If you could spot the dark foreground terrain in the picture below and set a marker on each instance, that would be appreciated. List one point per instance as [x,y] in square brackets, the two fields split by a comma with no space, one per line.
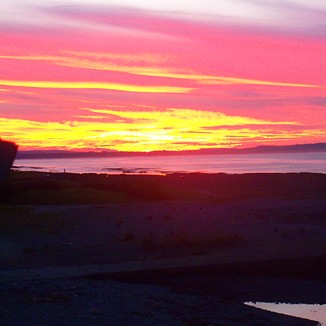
[182,249]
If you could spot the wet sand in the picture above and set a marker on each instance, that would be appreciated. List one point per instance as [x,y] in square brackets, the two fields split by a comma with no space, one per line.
[160,250]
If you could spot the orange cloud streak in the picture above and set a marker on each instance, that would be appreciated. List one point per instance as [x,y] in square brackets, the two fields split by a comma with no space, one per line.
[95,85]
[121,63]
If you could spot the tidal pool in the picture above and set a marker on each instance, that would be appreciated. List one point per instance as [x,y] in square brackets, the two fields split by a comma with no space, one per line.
[315,312]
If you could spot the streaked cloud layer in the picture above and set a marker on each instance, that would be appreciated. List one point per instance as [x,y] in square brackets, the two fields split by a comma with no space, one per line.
[297,14]
[145,75]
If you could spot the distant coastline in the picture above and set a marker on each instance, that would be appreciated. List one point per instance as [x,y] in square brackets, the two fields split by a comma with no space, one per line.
[48,154]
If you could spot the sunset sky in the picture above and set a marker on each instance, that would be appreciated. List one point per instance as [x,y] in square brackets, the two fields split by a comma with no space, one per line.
[140,75]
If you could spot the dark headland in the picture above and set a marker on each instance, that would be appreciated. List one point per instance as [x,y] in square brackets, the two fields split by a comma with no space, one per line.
[8,152]
[181,249]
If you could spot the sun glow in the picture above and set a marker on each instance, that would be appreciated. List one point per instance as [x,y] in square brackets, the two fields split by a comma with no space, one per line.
[172,129]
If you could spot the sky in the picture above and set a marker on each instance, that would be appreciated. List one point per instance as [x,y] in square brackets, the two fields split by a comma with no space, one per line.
[140,75]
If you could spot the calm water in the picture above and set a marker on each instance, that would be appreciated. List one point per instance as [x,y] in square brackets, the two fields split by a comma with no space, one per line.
[314,312]
[308,162]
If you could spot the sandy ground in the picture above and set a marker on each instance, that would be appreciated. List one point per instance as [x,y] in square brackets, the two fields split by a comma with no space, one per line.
[174,262]
[88,234]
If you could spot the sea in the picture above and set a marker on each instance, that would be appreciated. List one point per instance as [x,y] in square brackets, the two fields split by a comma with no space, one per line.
[162,165]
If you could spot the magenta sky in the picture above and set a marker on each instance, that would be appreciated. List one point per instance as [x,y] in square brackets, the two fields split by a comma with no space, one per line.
[141,75]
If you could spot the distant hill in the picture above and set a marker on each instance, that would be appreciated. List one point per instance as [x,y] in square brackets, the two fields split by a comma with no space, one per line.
[303,148]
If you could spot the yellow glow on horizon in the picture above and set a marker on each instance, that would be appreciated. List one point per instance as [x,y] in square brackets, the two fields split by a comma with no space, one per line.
[173,129]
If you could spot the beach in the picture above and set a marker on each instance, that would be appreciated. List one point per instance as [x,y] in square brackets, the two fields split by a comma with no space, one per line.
[180,249]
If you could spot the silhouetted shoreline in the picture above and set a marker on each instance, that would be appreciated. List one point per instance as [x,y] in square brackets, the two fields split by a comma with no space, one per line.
[300,148]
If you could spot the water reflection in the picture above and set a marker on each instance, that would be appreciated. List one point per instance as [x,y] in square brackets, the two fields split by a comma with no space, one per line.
[268,163]
[314,312]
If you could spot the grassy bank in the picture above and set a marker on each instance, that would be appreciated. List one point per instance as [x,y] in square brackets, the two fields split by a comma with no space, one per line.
[55,188]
